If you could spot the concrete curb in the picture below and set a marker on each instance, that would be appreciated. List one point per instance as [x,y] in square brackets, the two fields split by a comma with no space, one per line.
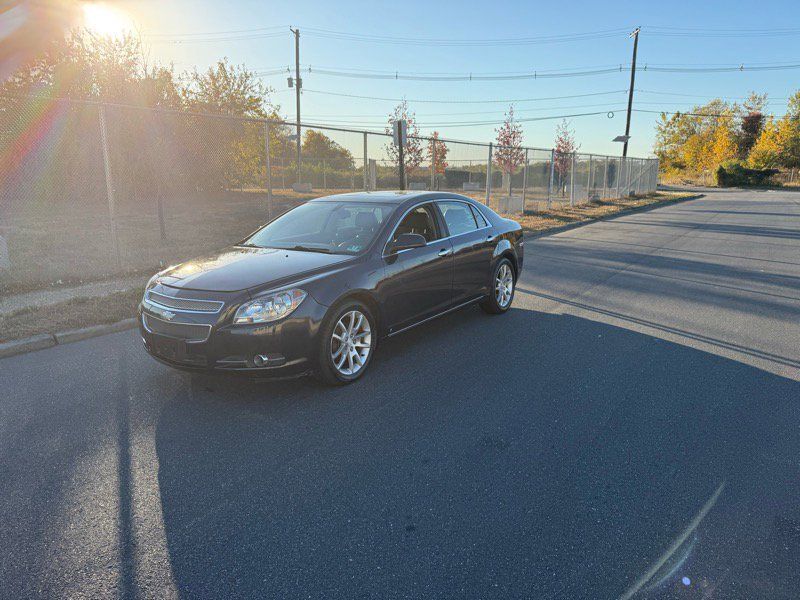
[48,340]
[77,335]
[622,213]
[37,342]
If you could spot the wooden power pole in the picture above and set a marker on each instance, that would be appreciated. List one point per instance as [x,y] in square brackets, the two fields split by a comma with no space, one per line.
[635,36]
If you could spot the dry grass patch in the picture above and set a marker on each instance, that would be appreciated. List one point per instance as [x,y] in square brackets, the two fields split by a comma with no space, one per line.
[72,314]
[534,222]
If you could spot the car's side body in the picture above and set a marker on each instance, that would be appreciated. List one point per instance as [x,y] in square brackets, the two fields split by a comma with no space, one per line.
[402,288]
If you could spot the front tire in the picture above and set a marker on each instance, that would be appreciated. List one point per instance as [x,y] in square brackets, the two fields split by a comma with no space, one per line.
[501,294]
[348,339]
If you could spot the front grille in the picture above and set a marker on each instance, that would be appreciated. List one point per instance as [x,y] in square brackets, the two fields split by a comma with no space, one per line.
[182,331]
[205,306]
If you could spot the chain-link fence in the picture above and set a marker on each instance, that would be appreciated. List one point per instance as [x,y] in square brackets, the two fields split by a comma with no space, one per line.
[92,190]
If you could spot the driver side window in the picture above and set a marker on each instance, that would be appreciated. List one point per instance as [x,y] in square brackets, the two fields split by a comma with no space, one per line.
[421,221]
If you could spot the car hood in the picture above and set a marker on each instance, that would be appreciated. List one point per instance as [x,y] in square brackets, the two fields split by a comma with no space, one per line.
[238,268]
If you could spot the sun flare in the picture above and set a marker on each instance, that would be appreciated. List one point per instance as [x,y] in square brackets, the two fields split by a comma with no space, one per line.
[103,19]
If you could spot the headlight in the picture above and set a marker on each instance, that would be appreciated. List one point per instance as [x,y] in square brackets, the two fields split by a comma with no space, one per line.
[270,307]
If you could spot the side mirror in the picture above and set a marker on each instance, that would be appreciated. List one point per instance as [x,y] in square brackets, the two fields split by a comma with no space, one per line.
[406,241]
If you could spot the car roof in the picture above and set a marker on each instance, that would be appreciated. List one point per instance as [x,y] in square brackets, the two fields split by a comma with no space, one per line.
[390,197]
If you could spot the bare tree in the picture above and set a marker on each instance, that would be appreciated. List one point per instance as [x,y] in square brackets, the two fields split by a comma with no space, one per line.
[565,147]
[509,154]
[413,151]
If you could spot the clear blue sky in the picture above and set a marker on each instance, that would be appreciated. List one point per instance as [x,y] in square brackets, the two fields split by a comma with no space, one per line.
[464,20]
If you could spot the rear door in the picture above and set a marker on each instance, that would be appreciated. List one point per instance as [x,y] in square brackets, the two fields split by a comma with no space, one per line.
[418,282]
[471,237]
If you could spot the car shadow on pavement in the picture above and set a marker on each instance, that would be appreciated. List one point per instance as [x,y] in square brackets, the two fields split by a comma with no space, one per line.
[528,455]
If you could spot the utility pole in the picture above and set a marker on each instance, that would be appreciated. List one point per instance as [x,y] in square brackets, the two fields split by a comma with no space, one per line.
[635,36]
[297,85]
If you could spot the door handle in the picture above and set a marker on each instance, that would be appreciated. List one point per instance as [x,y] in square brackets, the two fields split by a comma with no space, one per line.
[444,252]
[489,238]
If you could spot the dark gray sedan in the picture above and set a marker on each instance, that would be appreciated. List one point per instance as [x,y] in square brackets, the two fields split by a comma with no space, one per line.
[317,287]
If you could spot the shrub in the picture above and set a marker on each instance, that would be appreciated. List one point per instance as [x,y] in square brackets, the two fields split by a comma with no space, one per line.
[734,173]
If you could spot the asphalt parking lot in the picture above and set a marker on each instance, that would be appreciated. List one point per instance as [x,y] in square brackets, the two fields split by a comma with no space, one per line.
[630,428]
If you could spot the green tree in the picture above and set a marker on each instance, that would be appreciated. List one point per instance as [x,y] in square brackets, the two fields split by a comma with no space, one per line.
[225,152]
[227,89]
[319,147]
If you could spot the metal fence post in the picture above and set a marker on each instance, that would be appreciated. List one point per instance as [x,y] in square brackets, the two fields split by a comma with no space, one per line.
[620,166]
[525,180]
[589,181]
[365,161]
[433,163]
[605,179]
[109,184]
[552,175]
[489,175]
[268,170]
[572,180]
[657,167]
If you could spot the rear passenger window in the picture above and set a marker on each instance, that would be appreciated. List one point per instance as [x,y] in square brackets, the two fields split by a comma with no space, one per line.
[458,216]
[479,217]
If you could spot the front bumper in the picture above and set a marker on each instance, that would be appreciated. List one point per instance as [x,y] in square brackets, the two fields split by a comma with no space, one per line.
[289,345]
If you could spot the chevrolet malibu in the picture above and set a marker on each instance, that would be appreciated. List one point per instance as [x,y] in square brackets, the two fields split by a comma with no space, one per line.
[315,289]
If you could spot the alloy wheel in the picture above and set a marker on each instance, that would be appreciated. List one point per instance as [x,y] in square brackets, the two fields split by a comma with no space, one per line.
[504,285]
[351,342]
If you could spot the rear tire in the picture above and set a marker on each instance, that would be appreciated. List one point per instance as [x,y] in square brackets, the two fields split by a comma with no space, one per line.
[503,286]
[347,341]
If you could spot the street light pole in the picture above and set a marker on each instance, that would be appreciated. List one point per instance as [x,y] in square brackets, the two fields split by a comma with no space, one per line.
[635,36]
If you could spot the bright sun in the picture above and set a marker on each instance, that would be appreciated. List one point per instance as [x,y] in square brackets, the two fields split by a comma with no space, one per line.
[103,19]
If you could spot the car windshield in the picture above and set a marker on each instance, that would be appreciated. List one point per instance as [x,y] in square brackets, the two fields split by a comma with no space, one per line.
[328,227]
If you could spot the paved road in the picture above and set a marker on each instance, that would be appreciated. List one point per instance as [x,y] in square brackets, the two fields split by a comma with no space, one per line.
[632,426]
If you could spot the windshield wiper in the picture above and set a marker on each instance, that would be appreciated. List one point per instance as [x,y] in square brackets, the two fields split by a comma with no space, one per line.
[310,249]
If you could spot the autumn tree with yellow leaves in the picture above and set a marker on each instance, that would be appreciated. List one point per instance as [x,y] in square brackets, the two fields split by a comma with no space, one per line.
[689,144]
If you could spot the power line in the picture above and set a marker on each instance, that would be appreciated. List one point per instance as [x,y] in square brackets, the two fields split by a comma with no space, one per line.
[730,115]
[492,101]
[257,30]
[532,74]
[666,31]
[482,112]
[264,32]
[708,96]
[609,114]
[508,76]
[384,39]
[236,38]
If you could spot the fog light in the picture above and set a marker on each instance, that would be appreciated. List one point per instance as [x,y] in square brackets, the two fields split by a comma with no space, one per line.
[268,360]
